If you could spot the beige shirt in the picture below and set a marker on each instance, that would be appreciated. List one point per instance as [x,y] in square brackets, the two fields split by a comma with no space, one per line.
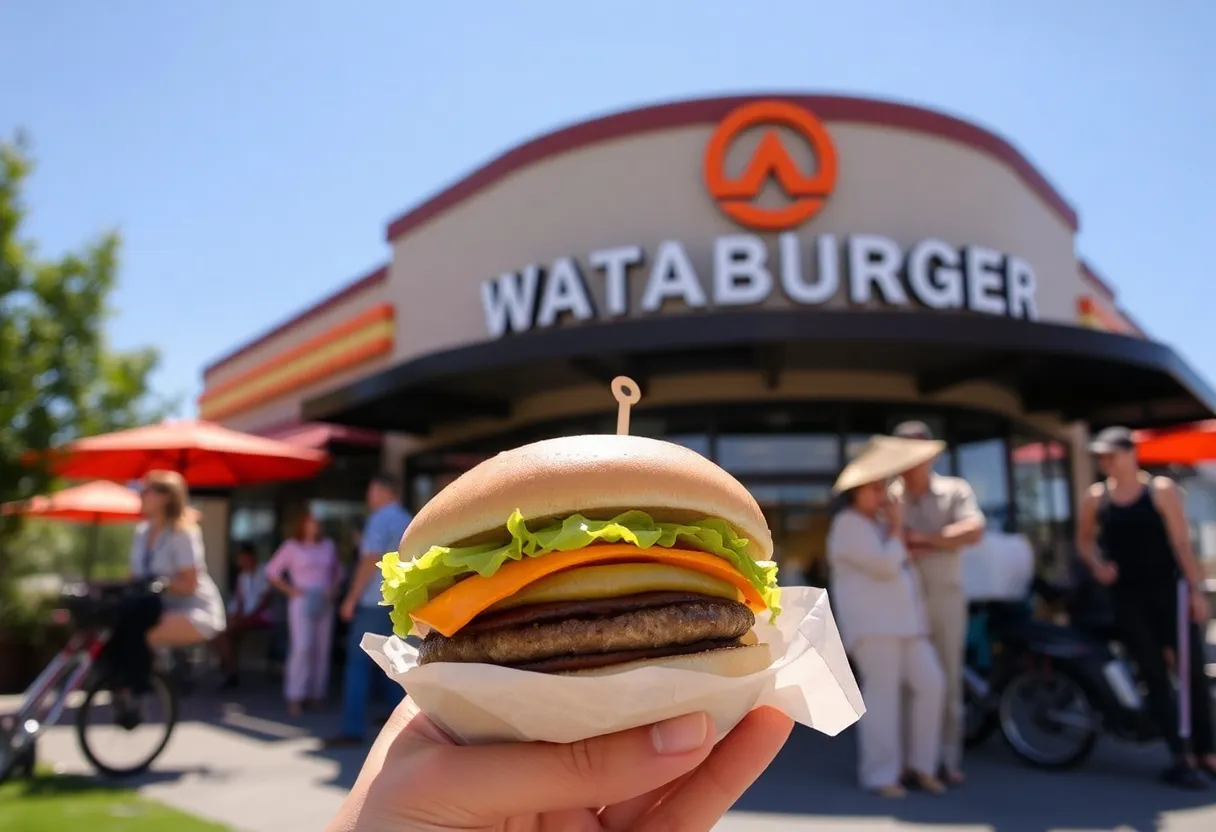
[947,501]
[874,589]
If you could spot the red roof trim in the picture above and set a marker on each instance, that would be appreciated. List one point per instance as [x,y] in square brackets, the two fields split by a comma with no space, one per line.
[710,110]
[345,293]
[318,434]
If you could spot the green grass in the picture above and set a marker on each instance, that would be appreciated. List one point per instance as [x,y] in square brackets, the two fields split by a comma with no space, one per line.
[51,803]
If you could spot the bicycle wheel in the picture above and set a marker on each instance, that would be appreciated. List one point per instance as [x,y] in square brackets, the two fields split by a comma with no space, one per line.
[107,719]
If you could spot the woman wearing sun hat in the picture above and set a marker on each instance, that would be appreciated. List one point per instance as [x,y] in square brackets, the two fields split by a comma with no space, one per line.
[881,614]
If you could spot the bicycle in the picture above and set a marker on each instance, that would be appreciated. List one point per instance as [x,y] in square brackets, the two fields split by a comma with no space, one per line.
[92,611]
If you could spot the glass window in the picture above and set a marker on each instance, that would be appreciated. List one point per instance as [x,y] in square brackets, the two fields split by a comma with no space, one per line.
[342,522]
[778,453]
[254,523]
[853,443]
[1043,500]
[982,464]
[698,442]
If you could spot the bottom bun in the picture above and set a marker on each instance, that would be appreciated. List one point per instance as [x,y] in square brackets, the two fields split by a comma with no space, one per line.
[725,661]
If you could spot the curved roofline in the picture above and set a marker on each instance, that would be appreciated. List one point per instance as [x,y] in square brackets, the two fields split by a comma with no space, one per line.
[832,108]
[1052,365]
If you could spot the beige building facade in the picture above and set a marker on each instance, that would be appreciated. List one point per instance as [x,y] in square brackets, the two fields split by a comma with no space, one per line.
[784,275]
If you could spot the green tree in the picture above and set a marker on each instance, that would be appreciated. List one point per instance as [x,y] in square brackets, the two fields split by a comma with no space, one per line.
[58,378]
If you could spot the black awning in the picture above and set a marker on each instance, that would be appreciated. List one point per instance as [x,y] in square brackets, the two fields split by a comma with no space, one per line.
[1079,373]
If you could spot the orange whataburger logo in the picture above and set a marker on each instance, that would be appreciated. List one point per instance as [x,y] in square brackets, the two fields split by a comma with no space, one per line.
[804,193]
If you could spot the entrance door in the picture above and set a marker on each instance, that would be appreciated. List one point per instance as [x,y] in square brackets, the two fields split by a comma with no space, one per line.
[798,515]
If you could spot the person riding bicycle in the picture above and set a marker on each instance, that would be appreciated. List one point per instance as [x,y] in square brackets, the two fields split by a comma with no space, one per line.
[168,547]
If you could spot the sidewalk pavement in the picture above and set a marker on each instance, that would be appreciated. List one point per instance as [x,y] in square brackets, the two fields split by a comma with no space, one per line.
[240,761]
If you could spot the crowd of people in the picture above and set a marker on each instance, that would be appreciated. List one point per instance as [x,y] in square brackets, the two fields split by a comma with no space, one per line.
[305,571]
[897,585]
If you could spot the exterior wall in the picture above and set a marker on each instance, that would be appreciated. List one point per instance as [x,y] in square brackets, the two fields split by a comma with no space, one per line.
[647,186]
[645,189]
[308,338]
[213,523]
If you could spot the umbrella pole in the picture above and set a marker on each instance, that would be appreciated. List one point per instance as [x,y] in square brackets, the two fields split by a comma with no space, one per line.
[91,553]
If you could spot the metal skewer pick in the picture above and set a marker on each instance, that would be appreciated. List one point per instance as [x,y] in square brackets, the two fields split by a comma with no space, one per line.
[625,391]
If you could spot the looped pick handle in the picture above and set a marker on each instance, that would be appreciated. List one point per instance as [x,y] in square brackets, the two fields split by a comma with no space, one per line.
[625,391]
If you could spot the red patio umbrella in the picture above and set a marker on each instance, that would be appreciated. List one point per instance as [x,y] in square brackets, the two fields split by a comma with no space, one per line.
[94,503]
[1183,445]
[206,454]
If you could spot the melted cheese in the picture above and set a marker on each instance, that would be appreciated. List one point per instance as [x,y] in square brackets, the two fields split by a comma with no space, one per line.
[460,604]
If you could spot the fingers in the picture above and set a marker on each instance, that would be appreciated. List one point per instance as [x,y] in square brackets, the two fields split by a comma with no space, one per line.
[526,778]
[733,766]
[623,817]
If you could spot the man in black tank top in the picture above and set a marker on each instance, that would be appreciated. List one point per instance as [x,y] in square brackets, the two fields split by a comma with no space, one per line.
[1132,532]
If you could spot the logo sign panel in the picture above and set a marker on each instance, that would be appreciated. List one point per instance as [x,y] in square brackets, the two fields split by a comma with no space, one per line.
[769,256]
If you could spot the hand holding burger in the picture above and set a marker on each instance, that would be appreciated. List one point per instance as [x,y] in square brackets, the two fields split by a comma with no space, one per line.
[668,776]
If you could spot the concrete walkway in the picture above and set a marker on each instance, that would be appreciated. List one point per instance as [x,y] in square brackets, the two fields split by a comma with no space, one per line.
[239,761]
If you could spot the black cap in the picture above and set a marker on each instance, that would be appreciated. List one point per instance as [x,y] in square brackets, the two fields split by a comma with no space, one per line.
[913,430]
[1111,440]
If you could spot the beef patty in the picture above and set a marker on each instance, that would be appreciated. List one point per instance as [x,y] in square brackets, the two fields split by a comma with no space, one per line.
[565,635]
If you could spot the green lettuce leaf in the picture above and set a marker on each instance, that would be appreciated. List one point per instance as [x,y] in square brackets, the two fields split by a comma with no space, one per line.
[409,585]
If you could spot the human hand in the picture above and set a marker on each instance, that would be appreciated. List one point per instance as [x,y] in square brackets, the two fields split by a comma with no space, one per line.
[1106,572]
[1199,606]
[668,776]
[894,511]
[347,610]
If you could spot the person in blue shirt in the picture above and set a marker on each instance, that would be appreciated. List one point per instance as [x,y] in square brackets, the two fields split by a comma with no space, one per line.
[362,609]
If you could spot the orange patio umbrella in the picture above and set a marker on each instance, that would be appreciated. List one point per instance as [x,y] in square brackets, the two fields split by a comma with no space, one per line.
[1182,445]
[206,454]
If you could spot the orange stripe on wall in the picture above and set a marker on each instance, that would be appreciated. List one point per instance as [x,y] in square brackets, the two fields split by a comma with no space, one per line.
[341,361]
[302,365]
[369,317]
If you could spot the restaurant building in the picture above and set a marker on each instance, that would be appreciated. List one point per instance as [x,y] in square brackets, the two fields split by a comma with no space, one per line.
[783,275]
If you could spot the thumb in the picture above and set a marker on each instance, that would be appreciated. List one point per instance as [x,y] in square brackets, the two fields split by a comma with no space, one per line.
[526,778]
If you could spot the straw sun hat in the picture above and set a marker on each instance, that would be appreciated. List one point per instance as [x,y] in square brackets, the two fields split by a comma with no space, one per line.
[884,457]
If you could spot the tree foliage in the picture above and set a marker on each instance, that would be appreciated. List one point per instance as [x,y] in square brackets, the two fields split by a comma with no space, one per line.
[58,378]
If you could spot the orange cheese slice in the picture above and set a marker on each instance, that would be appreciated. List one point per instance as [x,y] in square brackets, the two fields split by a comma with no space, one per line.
[460,604]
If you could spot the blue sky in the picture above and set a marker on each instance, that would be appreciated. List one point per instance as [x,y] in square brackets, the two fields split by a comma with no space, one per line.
[252,152]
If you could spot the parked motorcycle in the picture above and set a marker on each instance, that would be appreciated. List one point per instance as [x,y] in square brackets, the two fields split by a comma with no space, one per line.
[1051,689]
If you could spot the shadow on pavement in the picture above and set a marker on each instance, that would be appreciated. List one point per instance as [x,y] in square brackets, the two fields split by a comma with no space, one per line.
[815,775]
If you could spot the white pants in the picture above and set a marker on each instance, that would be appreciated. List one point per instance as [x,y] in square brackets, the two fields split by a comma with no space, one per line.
[947,611]
[307,672]
[887,664]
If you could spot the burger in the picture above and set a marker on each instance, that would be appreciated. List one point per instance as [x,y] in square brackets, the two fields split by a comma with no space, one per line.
[588,555]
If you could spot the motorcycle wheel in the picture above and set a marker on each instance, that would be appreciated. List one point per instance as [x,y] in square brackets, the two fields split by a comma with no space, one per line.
[1047,719]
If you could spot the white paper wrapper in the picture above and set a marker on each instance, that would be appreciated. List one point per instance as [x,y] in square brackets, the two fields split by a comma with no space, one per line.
[810,681]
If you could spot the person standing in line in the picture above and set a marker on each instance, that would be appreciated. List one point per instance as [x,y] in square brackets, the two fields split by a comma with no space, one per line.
[882,620]
[247,611]
[311,561]
[1132,533]
[941,516]
[362,609]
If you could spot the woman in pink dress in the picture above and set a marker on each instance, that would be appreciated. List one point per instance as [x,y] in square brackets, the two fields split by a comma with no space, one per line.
[305,569]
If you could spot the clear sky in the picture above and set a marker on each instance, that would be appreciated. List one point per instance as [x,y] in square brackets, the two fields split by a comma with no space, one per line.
[252,152]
